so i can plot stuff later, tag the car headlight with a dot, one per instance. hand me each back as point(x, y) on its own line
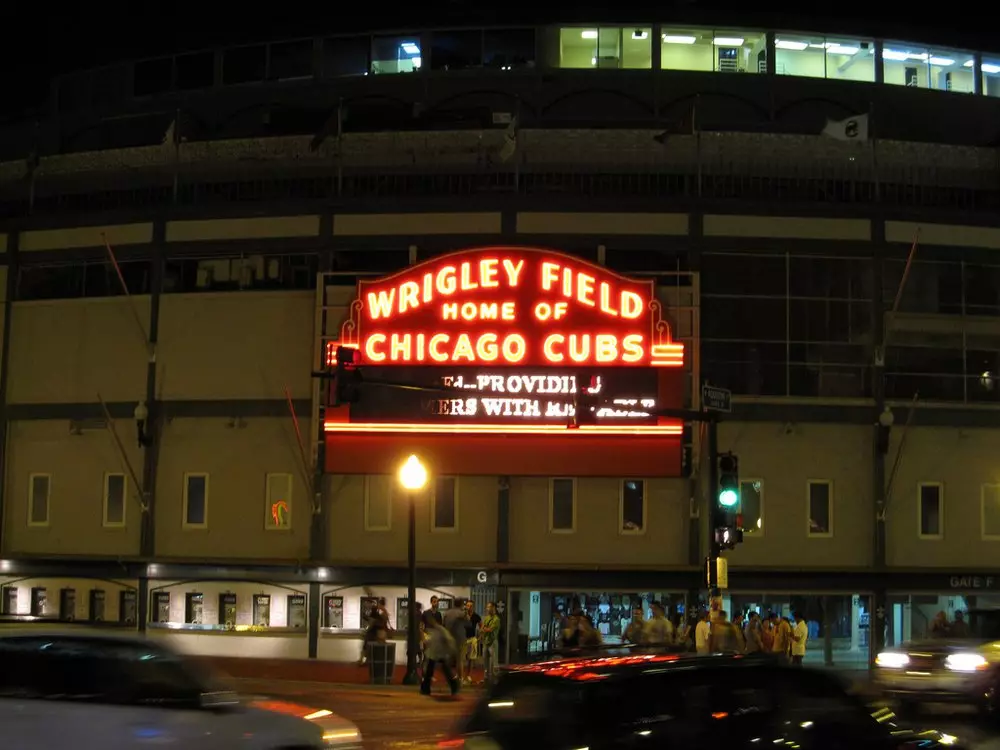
point(965, 662)
point(892, 660)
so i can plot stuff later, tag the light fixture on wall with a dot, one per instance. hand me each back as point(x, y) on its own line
point(141, 415)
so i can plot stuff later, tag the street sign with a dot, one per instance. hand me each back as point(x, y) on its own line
point(721, 572)
point(716, 399)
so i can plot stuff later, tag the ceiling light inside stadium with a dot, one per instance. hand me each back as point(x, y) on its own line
point(728, 41)
point(588, 34)
point(792, 45)
point(410, 48)
point(679, 39)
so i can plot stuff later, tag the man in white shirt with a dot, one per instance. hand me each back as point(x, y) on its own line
point(702, 635)
point(658, 631)
point(799, 637)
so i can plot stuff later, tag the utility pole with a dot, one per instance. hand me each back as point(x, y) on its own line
point(714, 550)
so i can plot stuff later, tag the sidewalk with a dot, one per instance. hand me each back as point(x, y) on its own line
point(302, 670)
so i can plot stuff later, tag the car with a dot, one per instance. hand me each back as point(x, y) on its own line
point(96, 690)
point(607, 702)
point(962, 670)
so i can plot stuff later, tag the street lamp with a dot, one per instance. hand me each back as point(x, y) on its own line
point(413, 477)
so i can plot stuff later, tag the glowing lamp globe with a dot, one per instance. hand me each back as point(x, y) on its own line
point(413, 474)
point(728, 498)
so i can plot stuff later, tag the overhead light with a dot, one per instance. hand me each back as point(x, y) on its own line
point(968, 64)
point(679, 39)
point(588, 34)
point(919, 56)
point(728, 41)
point(788, 44)
point(640, 34)
point(410, 48)
point(944, 62)
point(839, 49)
point(891, 54)
point(593, 61)
point(991, 68)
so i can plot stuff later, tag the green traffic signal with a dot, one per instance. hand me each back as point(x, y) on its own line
point(728, 498)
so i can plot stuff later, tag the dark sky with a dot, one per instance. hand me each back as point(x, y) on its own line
point(42, 39)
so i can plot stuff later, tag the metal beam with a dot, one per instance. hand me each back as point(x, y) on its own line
point(8, 310)
point(154, 421)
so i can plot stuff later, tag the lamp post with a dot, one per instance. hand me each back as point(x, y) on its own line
point(413, 477)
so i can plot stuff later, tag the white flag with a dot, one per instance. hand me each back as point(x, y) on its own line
point(851, 129)
point(509, 147)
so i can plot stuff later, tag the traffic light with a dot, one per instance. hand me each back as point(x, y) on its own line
point(585, 400)
point(729, 481)
point(346, 388)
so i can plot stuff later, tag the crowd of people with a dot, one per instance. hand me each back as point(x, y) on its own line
point(783, 637)
point(451, 641)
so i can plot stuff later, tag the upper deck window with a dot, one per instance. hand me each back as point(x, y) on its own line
point(720, 51)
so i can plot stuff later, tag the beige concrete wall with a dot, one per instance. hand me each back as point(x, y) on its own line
point(597, 540)
point(473, 542)
point(962, 461)
point(68, 351)
point(784, 457)
point(237, 455)
point(77, 465)
point(236, 345)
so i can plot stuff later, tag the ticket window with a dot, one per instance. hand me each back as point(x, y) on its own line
point(262, 610)
point(333, 611)
point(128, 609)
point(227, 610)
point(97, 601)
point(39, 601)
point(297, 611)
point(161, 606)
point(194, 608)
point(67, 604)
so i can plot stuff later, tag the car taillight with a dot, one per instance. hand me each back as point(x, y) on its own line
point(454, 743)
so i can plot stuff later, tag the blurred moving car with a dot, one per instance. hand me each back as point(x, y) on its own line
point(674, 700)
point(94, 691)
point(946, 670)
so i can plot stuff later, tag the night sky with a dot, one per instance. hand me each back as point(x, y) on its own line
point(41, 40)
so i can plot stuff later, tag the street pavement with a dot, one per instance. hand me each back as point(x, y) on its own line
point(395, 717)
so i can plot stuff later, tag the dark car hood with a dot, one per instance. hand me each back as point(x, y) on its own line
point(943, 645)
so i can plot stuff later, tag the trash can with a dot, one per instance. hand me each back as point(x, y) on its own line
point(381, 662)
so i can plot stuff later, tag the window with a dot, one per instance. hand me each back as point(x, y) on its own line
point(820, 500)
point(991, 76)
point(244, 65)
point(719, 51)
point(396, 54)
point(444, 513)
point(346, 56)
point(256, 272)
point(456, 50)
point(195, 501)
point(990, 500)
point(930, 510)
point(632, 504)
point(509, 49)
point(824, 57)
point(114, 500)
point(278, 502)
point(951, 70)
point(288, 61)
point(752, 506)
point(39, 487)
point(378, 503)
point(605, 48)
point(562, 506)
point(905, 64)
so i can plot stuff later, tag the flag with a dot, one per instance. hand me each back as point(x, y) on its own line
point(509, 147)
point(851, 129)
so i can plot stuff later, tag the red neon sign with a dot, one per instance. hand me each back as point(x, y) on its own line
point(509, 306)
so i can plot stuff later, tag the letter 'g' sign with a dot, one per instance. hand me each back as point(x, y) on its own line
point(509, 306)
point(481, 576)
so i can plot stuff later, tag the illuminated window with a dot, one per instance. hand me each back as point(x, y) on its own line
point(195, 501)
point(278, 502)
point(115, 486)
point(905, 64)
point(990, 509)
point(632, 507)
point(444, 513)
point(752, 506)
point(396, 54)
point(991, 76)
point(951, 70)
point(708, 50)
point(562, 506)
point(39, 489)
point(824, 57)
point(605, 48)
point(850, 59)
point(819, 500)
point(930, 510)
point(378, 503)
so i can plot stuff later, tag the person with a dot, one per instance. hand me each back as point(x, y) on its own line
point(633, 633)
point(724, 635)
point(441, 652)
point(752, 634)
point(455, 621)
point(703, 635)
point(472, 624)
point(658, 631)
point(782, 637)
point(435, 604)
point(959, 628)
point(800, 635)
point(489, 631)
